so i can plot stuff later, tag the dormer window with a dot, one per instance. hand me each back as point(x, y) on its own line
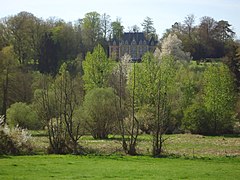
point(134, 42)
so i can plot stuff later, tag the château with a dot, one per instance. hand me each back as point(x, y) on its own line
point(133, 43)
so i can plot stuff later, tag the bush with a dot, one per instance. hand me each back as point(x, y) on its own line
point(196, 120)
point(100, 109)
point(24, 116)
point(14, 141)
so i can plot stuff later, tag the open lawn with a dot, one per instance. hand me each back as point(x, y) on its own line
point(188, 157)
point(116, 167)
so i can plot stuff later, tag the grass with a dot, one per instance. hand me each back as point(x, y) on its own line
point(186, 145)
point(179, 144)
point(189, 157)
point(116, 167)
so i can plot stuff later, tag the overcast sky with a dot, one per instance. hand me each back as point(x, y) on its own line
point(132, 12)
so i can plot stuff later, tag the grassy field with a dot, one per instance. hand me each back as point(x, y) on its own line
point(186, 145)
point(188, 157)
point(116, 167)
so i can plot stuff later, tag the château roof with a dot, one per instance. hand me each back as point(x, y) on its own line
point(137, 36)
point(129, 37)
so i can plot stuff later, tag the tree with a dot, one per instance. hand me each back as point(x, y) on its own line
point(57, 104)
point(189, 22)
point(173, 46)
point(91, 29)
point(154, 107)
point(117, 29)
point(206, 28)
point(188, 85)
point(8, 64)
point(132, 125)
point(148, 27)
point(237, 66)
point(162, 100)
point(68, 98)
point(106, 26)
point(97, 69)
point(5, 35)
point(209, 39)
point(232, 60)
point(196, 119)
point(219, 97)
point(45, 103)
point(223, 31)
point(26, 30)
point(205, 47)
point(100, 108)
point(49, 59)
point(65, 36)
point(118, 81)
point(134, 29)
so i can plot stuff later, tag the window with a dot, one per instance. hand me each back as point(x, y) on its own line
point(134, 42)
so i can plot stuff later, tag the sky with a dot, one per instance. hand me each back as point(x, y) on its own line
point(164, 13)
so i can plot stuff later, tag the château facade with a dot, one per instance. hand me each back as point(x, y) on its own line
point(133, 43)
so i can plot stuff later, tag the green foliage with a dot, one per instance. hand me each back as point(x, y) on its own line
point(156, 76)
point(100, 109)
point(57, 104)
point(212, 109)
point(23, 115)
point(64, 36)
point(197, 119)
point(148, 28)
point(8, 64)
point(26, 31)
point(48, 59)
point(188, 88)
point(97, 69)
point(117, 29)
point(8, 58)
point(219, 97)
point(91, 27)
point(152, 75)
point(209, 39)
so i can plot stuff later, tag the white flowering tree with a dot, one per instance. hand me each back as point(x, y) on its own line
point(171, 45)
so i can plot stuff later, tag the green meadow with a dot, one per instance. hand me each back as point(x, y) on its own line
point(186, 156)
point(117, 167)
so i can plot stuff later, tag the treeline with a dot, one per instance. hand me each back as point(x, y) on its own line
point(44, 45)
point(208, 39)
point(157, 96)
point(57, 76)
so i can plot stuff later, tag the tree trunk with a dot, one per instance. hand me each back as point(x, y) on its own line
point(5, 98)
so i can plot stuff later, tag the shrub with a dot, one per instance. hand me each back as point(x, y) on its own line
point(196, 120)
point(24, 116)
point(14, 141)
point(100, 109)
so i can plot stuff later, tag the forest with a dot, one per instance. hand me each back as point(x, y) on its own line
point(58, 77)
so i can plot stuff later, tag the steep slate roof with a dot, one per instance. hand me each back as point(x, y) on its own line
point(137, 36)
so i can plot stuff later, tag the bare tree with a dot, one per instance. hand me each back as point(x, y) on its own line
point(57, 103)
point(189, 22)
